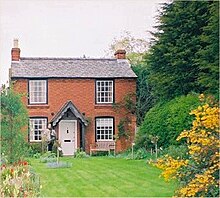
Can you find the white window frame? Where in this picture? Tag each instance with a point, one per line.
(104, 127)
(37, 91)
(36, 128)
(104, 90)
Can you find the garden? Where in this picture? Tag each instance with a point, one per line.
(176, 150)
(189, 165)
(30, 171)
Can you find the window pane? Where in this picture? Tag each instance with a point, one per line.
(37, 91)
(36, 127)
(104, 128)
(104, 91)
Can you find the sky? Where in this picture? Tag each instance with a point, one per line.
(70, 28)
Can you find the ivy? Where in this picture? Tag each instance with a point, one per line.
(127, 108)
(123, 130)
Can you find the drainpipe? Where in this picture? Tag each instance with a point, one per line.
(83, 136)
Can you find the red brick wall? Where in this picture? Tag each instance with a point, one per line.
(82, 93)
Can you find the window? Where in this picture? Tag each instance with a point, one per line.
(104, 91)
(37, 126)
(37, 91)
(104, 129)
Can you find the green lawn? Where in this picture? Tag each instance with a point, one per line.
(102, 177)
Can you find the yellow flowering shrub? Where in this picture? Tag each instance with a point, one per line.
(199, 174)
(170, 166)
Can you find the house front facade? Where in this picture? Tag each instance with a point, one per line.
(76, 96)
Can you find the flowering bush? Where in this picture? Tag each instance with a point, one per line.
(199, 174)
(18, 181)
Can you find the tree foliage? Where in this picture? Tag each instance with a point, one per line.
(199, 174)
(14, 118)
(136, 49)
(208, 55)
(167, 120)
(184, 52)
(144, 100)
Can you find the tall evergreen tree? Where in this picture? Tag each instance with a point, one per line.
(208, 55)
(174, 69)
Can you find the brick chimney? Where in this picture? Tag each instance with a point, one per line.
(120, 54)
(15, 51)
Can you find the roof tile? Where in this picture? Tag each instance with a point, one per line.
(71, 68)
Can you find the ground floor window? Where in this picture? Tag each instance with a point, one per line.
(37, 126)
(104, 129)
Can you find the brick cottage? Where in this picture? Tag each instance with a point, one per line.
(76, 96)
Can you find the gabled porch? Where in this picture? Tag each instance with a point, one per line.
(70, 127)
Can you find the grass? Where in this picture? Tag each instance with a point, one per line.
(103, 177)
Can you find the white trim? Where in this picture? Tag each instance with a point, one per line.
(35, 140)
(32, 89)
(104, 125)
(31, 130)
(99, 92)
(109, 140)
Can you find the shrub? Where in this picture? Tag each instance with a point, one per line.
(176, 151)
(138, 154)
(34, 150)
(141, 154)
(14, 118)
(48, 157)
(36, 155)
(80, 154)
(18, 180)
(100, 153)
(167, 120)
(199, 174)
(49, 154)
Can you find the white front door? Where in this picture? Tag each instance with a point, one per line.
(68, 136)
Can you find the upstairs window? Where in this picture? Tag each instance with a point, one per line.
(37, 127)
(104, 91)
(37, 91)
(104, 129)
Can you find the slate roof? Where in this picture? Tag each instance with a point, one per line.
(71, 68)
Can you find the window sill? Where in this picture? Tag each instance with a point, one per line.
(105, 141)
(35, 106)
(101, 106)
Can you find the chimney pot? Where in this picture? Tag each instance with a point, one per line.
(120, 54)
(16, 43)
(15, 51)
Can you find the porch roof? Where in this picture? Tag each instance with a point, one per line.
(68, 105)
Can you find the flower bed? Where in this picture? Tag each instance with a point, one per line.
(18, 180)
